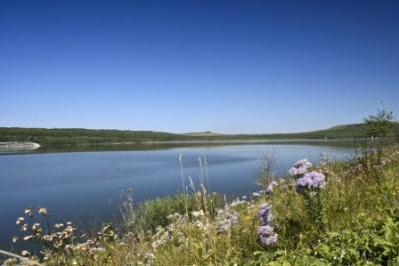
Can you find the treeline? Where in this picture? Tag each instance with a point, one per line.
(77, 136)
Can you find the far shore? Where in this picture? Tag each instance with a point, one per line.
(29, 147)
(239, 141)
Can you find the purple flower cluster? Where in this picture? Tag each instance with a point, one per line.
(265, 230)
(225, 220)
(264, 214)
(311, 181)
(267, 236)
(266, 233)
(300, 168)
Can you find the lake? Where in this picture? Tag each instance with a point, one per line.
(86, 186)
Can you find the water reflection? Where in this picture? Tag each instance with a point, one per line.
(86, 186)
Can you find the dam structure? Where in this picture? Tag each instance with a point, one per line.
(18, 146)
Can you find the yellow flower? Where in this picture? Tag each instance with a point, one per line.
(43, 211)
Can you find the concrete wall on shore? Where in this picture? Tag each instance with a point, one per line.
(18, 146)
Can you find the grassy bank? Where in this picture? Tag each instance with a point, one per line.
(349, 215)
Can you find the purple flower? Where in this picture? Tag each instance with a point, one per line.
(264, 214)
(226, 220)
(312, 180)
(300, 168)
(233, 218)
(294, 171)
(266, 235)
(303, 163)
(268, 240)
(265, 230)
(222, 228)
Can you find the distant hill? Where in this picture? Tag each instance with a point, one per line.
(79, 136)
(205, 133)
(336, 132)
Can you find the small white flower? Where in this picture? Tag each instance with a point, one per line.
(25, 253)
(20, 220)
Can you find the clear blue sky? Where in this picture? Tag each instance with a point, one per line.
(180, 66)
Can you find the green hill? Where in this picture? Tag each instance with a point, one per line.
(203, 134)
(79, 136)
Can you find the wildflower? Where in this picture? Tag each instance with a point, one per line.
(297, 172)
(265, 230)
(156, 244)
(225, 220)
(311, 181)
(268, 240)
(303, 163)
(222, 228)
(174, 217)
(264, 214)
(98, 249)
(199, 224)
(68, 231)
(266, 235)
(385, 161)
(58, 226)
(300, 168)
(28, 211)
(233, 217)
(25, 253)
(20, 220)
(36, 227)
(197, 214)
(47, 238)
(43, 211)
(165, 237)
(270, 187)
(25, 227)
(148, 257)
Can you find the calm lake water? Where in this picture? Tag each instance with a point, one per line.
(86, 186)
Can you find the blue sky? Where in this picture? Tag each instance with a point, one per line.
(182, 66)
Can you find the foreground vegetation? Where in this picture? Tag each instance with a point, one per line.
(75, 137)
(334, 213)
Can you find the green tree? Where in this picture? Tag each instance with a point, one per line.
(380, 124)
